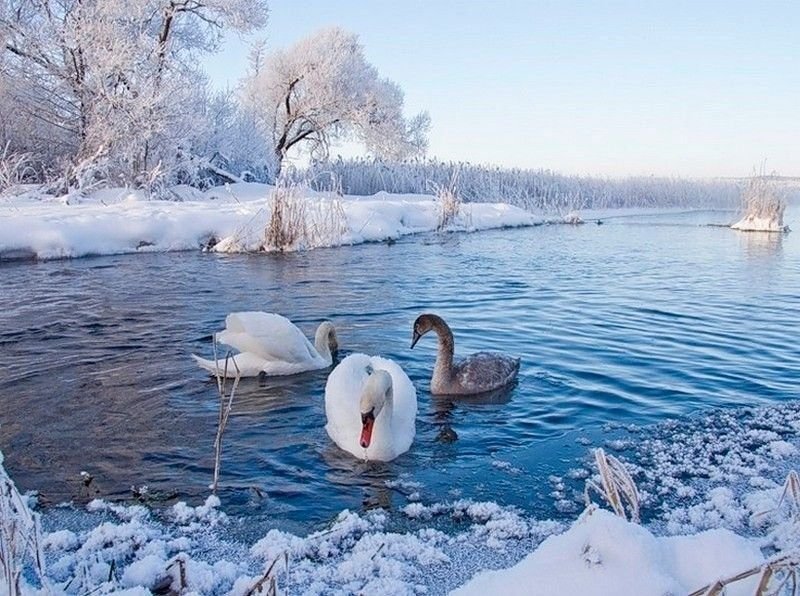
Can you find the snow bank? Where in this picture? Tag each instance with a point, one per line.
(604, 554)
(113, 221)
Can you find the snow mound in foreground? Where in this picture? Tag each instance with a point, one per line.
(604, 554)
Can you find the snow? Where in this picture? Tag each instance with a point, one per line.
(231, 218)
(604, 554)
(755, 223)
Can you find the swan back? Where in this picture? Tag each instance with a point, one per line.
(394, 426)
(268, 335)
(271, 344)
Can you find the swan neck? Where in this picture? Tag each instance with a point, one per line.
(444, 356)
(322, 343)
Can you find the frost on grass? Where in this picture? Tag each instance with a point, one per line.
(131, 549)
(20, 537)
(356, 553)
(705, 477)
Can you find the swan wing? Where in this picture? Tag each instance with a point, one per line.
(485, 371)
(268, 335)
(405, 403)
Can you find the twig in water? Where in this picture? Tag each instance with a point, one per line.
(224, 408)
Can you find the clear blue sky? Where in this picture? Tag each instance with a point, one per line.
(615, 88)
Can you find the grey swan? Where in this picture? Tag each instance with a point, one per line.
(477, 373)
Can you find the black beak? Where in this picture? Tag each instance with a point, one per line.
(415, 339)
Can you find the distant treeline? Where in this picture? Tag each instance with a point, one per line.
(539, 190)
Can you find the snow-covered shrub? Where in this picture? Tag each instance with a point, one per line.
(15, 168)
(287, 219)
(296, 222)
(449, 201)
(763, 205)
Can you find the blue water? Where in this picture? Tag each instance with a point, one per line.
(633, 321)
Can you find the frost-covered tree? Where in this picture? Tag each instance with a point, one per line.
(229, 143)
(110, 86)
(323, 89)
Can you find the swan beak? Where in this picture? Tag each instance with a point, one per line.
(415, 340)
(367, 421)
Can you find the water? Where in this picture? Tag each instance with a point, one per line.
(633, 321)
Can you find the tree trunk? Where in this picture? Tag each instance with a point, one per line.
(279, 155)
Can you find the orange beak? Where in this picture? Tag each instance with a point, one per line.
(367, 421)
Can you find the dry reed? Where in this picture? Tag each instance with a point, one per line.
(616, 486)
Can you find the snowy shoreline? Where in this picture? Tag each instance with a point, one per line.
(231, 218)
(711, 490)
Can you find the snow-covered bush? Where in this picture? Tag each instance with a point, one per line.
(15, 168)
(287, 219)
(297, 222)
(449, 202)
(763, 205)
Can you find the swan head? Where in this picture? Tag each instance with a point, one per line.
(375, 394)
(422, 325)
(326, 336)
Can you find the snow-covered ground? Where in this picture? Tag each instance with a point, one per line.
(230, 218)
(711, 493)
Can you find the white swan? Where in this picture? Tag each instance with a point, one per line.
(271, 344)
(371, 406)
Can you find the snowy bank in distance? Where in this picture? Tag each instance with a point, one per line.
(232, 218)
(604, 554)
